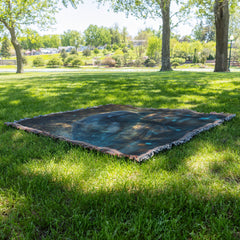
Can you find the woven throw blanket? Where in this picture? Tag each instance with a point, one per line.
(123, 130)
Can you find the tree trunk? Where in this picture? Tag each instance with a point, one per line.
(17, 48)
(221, 12)
(165, 8)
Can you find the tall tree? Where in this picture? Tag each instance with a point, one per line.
(115, 35)
(221, 13)
(124, 35)
(72, 38)
(205, 32)
(51, 41)
(15, 15)
(33, 39)
(144, 34)
(5, 49)
(221, 10)
(97, 36)
(166, 33)
(144, 9)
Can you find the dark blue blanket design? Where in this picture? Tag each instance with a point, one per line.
(122, 130)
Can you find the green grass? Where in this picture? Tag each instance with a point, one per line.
(53, 190)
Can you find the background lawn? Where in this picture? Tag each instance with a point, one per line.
(53, 190)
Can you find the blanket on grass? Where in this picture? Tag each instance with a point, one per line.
(123, 130)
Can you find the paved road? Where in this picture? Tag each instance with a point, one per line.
(109, 70)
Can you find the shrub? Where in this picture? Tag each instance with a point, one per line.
(150, 62)
(175, 64)
(126, 59)
(109, 61)
(125, 50)
(76, 62)
(96, 50)
(86, 52)
(118, 52)
(109, 48)
(68, 60)
(24, 60)
(138, 62)
(119, 60)
(97, 62)
(178, 60)
(54, 62)
(203, 59)
(38, 62)
(115, 46)
(63, 54)
(105, 52)
(74, 51)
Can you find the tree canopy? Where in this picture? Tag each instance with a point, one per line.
(17, 15)
(97, 36)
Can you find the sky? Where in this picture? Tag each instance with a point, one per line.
(88, 13)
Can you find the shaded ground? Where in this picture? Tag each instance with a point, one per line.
(52, 190)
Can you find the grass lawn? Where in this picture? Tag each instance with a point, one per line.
(52, 190)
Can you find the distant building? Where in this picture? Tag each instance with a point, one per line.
(48, 50)
(67, 48)
(82, 48)
(137, 43)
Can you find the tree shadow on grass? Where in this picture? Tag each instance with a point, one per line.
(43, 205)
(38, 95)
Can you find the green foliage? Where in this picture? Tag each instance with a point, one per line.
(115, 47)
(175, 64)
(234, 25)
(154, 48)
(68, 60)
(138, 62)
(109, 62)
(125, 50)
(97, 36)
(5, 49)
(118, 52)
(96, 50)
(54, 62)
(86, 52)
(71, 38)
(38, 62)
(145, 35)
(77, 62)
(73, 61)
(105, 51)
(109, 47)
(51, 41)
(63, 54)
(178, 60)
(205, 33)
(74, 51)
(97, 62)
(119, 60)
(150, 62)
(31, 40)
(192, 50)
(126, 59)
(17, 14)
(115, 35)
(24, 60)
